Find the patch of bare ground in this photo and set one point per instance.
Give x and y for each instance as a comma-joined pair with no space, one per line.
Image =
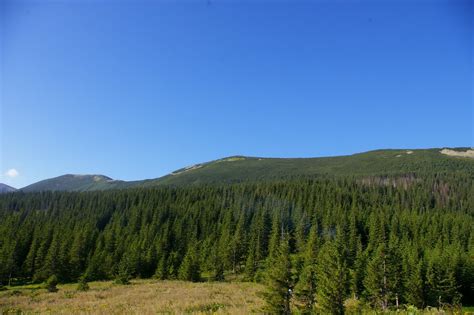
400,181
141,297
467,153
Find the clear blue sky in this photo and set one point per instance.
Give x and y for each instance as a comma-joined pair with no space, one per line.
135,90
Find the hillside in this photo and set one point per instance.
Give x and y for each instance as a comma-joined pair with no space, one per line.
380,162
70,182
241,168
5,188
271,232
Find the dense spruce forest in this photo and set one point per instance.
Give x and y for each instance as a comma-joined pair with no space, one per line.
323,240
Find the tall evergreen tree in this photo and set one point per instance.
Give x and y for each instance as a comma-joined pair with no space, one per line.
305,289
382,280
280,280
190,268
441,283
414,293
332,277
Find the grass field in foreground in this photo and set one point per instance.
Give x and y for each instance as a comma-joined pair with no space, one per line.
149,297
141,297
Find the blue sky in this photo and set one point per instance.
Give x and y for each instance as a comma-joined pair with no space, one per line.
136,89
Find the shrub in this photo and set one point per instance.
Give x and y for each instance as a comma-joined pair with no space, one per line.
352,306
205,308
82,285
123,275
51,284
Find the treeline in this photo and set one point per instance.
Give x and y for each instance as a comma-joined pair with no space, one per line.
313,241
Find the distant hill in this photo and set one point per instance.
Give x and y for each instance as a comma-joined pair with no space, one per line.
6,189
242,168
70,182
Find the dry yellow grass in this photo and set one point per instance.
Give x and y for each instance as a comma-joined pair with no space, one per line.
141,297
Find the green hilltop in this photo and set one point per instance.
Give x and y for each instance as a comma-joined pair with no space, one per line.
70,182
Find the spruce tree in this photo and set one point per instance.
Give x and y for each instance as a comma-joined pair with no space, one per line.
441,283
332,277
190,269
123,274
305,289
414,284
238,244
51,284
53,263
358,271
82,285
250,264
161,271
279,280
382,279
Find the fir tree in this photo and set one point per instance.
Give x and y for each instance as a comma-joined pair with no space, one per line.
123,274
382,280
190,269
414,284
305,289
332,276
82,285
51,284
279,280
441,284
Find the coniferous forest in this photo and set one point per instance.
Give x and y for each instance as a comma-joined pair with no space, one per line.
312,241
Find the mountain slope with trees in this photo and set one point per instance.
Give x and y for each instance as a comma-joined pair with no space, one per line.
380,163
4,188
70,182
315,242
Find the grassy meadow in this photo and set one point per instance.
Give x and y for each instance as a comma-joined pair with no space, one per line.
154,297
141,297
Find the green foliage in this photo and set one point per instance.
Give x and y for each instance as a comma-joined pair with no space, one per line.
419,226
441,283
123,275
382,282
69,183
51,284
305,289
332,276
414,284
210,308
239,169
279,279
190,269
82,285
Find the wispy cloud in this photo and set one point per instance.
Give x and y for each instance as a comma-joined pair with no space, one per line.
12,173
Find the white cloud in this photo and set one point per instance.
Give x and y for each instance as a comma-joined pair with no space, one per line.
12,173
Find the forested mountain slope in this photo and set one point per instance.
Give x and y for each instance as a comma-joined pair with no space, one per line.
5,188
411,243
70,182
373,163
246,169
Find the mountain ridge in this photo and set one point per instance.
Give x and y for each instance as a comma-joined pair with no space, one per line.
67,182
4,188
238,168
